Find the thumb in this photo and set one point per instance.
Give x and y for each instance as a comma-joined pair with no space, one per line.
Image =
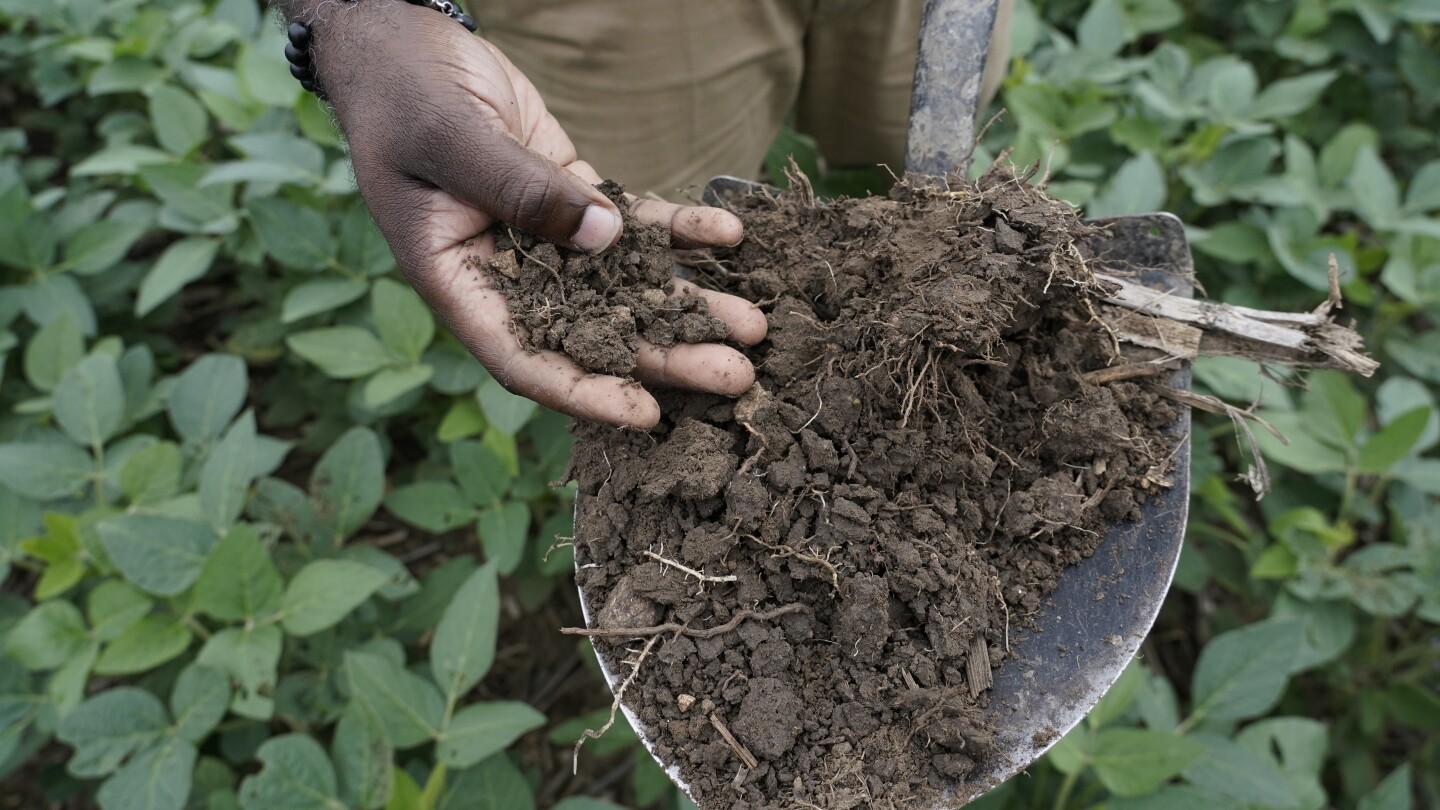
523,188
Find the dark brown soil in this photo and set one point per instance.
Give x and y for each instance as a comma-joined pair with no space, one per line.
916,465
596,309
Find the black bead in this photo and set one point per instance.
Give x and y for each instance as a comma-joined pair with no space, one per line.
308,85
467,21
299,34
296,56
301,72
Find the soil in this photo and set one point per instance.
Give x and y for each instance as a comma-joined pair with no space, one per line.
917,463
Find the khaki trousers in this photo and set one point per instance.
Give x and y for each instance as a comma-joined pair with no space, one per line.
664,94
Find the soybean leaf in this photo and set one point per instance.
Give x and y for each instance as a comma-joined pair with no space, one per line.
424,610
408,706
1292,96
1132,761
435,506
60,549
180,122
506,411
1423,193
1391,794
44,472
363,759
362,247
323,295
239,582
1243,672
206,397
348,482
296,775
113,607
503,531
145,645
389,384
1302,744
55,348
155,779
1394,441
482,474
56,295
99,246
324,592
111,726
1121,695
404,322
1229,770
293,235
1173,797
1397,396
49,634
181,263
494,784
1377,195
1137,187
153,474
160,555
482,729
399,583
90,400
199,701
464,645
251,657
225,479
342,352
586,803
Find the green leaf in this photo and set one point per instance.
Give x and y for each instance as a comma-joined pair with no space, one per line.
324,592
99,246
462,420
506,411
348,482
1120,697
408,706
181,263
389,384
111,726
1137,187
207,396
49,634
1243,672
159,555
296,775
363,759
1292,96
123,159
1391,794
1229,770
503,531
113,607
316,297
481,472
199,701
238,582
153,474
295,236
1132,761
45,472
1173,797
155,779
1377,195
586,803
90,400
1302,745
60,549
54,350
1101,29
495,784
1423,193
435,506
58,295
1399,395
147,644
404,322
482,729
127,74
1394,442
180,122
464,645
342,352
251,657
226,477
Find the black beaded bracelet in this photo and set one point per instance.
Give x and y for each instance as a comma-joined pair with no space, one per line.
297,50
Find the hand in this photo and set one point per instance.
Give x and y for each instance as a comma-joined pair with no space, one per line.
448,139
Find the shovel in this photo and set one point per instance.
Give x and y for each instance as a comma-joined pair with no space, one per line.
1103,607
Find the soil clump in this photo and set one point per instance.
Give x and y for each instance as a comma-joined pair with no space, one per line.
918,462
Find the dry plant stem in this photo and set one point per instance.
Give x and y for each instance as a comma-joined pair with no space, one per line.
735,745
687,569
1258,476
680,629
589,734
1128,371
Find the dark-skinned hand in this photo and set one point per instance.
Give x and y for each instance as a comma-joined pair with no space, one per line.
448,141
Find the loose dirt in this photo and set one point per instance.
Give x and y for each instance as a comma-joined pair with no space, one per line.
916,465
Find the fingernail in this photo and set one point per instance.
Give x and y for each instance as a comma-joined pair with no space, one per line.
598,229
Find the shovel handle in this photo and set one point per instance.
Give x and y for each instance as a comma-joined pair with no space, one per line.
954,42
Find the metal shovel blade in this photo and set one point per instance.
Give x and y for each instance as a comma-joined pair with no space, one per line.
1103,607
